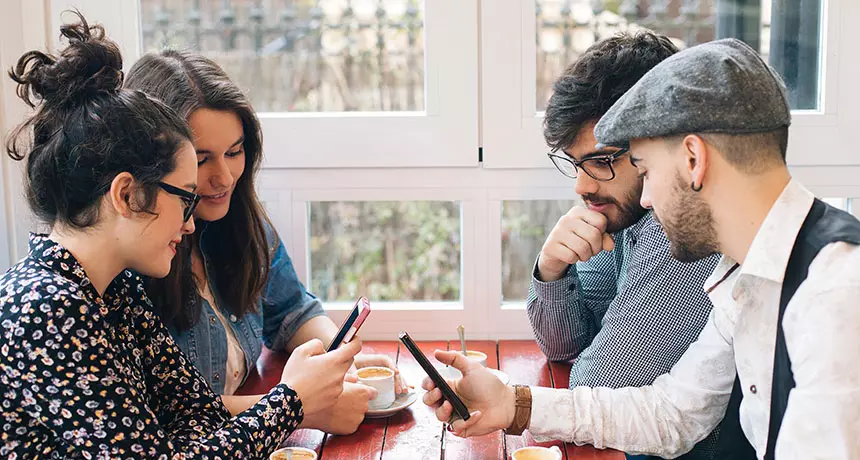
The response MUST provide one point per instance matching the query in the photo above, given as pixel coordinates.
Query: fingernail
(449, 428)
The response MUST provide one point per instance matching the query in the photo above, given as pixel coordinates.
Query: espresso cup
(537, 453)
(381, 378)
(298, 453)
(478, 356)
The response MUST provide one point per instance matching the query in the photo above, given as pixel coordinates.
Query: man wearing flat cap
(708, 130)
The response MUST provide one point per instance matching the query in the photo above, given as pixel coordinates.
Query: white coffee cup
(537, 453)
(381, 378)
(298, 453)
(477, 356)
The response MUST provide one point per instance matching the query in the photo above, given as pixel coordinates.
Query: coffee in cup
(478, 356)
(298, 453)
(375, 372)
(381, 378)
(537, 453)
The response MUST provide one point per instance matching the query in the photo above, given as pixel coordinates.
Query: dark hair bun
(90, 65)
(86, 129)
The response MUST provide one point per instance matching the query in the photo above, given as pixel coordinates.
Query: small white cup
(381, 378)
(537, 453)
(478, 356)
(299, 453)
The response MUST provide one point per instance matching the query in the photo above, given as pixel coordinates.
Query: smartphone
(460, 409)
(351, 324)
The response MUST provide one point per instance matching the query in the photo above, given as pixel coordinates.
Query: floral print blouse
(84, 375)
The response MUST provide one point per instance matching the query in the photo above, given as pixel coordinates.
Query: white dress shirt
(822, 334)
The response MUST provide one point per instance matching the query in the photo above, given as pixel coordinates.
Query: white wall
(23, 27)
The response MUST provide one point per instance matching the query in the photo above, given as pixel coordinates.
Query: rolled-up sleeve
(287, 305)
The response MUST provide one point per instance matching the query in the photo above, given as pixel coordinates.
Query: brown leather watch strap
(523, 413)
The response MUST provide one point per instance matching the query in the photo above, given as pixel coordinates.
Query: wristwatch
(523, 413)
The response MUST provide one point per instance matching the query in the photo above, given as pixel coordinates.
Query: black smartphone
(460, 409)
(351, 324)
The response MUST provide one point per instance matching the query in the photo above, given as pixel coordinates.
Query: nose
(585, 184)
(645, 200)
(188, 226)
(220, 174)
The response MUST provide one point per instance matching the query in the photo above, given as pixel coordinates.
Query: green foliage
(407, 250)
(410, 250)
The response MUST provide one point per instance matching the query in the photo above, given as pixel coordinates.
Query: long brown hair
(187, 82)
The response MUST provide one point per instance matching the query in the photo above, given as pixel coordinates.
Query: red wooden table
(414, 433)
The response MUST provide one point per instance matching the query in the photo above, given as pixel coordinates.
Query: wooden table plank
(523, 361)
(560, 373)
(307, 438)
(367, 442)
(490, 446)
(414, 433)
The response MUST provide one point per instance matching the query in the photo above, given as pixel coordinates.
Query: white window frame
(381, 157)
(287, 193)
(445, 133)
(512, 128)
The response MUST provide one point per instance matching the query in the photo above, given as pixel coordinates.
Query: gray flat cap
(722, 86)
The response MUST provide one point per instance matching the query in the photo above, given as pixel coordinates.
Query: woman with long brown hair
(233, 288)
(87, 370)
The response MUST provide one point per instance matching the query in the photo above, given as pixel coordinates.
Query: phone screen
(460, 409)
(351, 324)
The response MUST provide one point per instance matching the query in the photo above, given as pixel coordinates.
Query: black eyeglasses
(599, 167)
(190, 199)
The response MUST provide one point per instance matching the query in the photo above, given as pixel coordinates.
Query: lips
(598, 206)
(215, 197)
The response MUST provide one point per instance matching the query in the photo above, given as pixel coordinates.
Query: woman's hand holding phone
(346, 414)
(492, 403)
(316, 376)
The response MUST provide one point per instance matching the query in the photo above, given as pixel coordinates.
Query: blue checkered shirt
(624, 317)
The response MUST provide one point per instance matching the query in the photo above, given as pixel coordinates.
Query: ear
(697, 158)
(121, 194)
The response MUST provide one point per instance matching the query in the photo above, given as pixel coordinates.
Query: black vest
(823, 225)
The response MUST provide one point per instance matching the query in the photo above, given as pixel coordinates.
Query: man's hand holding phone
(492, 403)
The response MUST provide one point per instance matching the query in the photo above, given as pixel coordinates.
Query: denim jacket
(286, 305)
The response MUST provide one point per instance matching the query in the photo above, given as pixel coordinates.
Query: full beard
(689, 225)
(629, 211)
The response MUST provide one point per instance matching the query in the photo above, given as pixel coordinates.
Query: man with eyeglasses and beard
(606, 292)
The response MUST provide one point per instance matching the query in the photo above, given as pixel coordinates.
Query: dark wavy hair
(86, 129)
(186, 82)
(588, 87)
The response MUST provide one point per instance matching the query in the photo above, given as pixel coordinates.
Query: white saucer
(402, 401)
(449, 372)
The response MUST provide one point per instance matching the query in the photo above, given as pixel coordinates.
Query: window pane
(786, 32)
(303, 55)
(525, 226)
(385, 250)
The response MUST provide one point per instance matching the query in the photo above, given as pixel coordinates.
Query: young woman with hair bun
(87, 370)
